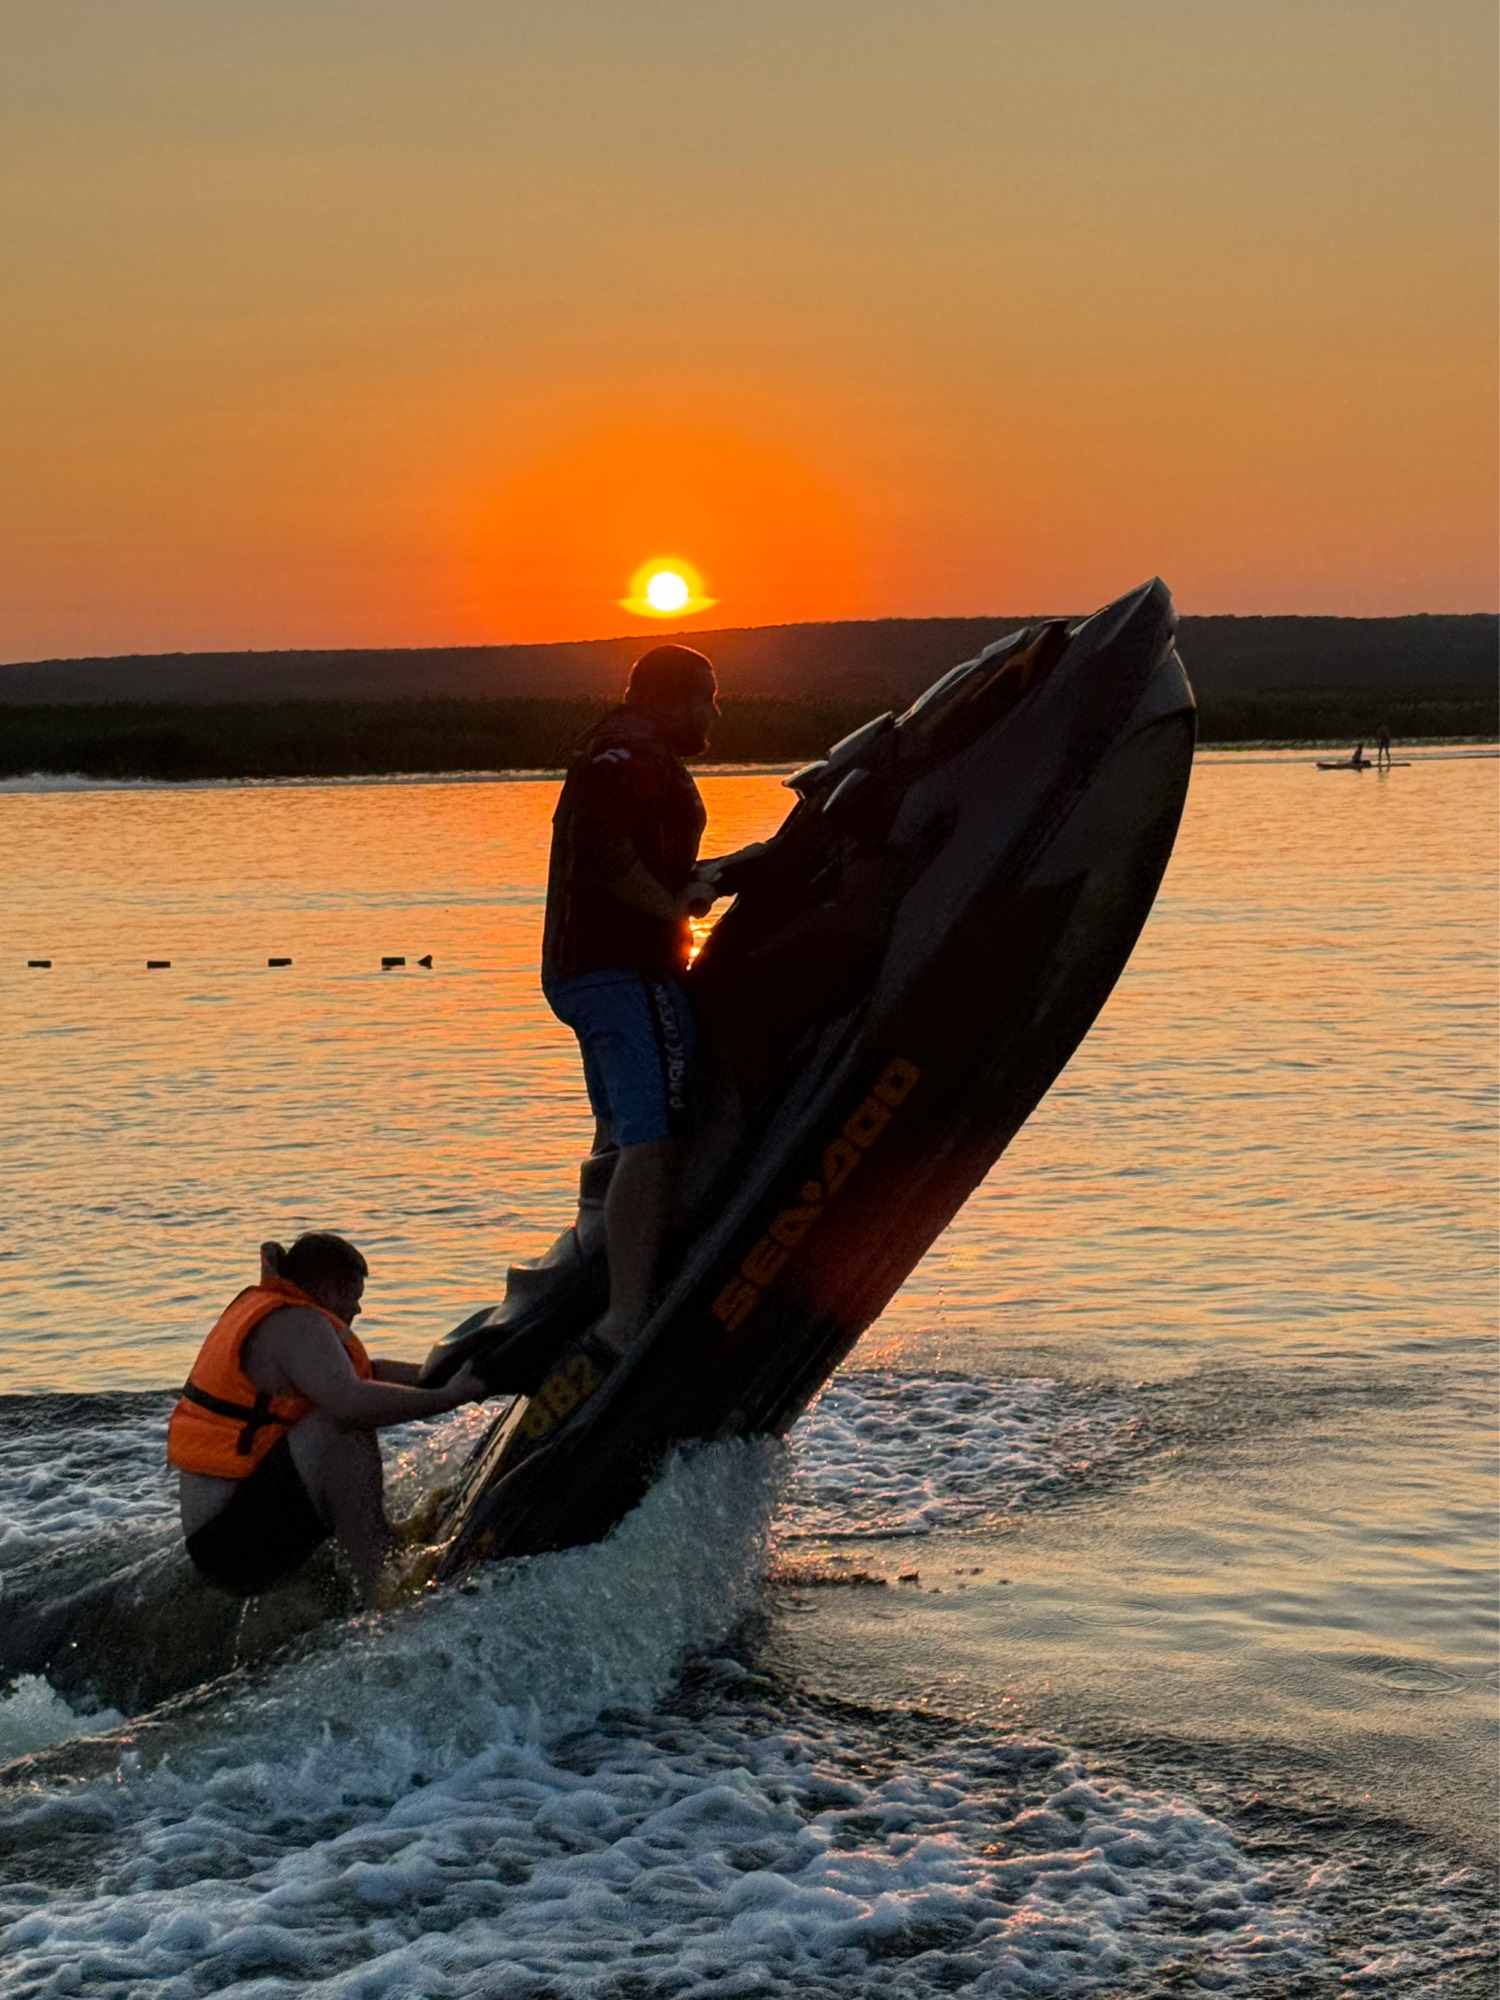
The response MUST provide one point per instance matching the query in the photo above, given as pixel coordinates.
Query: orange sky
(370, 323)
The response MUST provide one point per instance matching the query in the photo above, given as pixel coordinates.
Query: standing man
(622, 882)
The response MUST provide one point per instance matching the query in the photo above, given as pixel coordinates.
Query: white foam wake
(733, 1850)
(485, 1796)
(78, 1468)
(884, 1454)
(34, 1716)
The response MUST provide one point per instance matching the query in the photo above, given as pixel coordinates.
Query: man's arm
(307, 1351)
(639, 889)
(408, 1372)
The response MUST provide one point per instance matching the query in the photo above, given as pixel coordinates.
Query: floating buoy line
(389, 963)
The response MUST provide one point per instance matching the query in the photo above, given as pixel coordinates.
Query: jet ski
(905, 969)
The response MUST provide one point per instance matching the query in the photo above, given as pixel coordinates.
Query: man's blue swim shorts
(638, 1044)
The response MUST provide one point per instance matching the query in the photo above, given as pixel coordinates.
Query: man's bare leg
(635, 1215)
(341, 1469)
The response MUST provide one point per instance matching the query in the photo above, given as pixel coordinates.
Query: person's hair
(321, 1258)
(664, 673)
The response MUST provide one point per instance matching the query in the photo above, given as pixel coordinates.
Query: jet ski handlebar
(730, 872)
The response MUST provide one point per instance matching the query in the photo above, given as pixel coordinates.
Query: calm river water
(1163, 1495)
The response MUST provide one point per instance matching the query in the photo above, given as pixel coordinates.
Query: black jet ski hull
(1027, 856)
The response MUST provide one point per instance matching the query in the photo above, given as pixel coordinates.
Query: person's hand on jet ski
(641, 890)
(725, 876)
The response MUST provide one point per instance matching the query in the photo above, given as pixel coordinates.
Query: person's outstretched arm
(315, 1361)
(409, 1372)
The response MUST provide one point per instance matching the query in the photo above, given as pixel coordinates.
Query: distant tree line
(326, 739)
(883, 660)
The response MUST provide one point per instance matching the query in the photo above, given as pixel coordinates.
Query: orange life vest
(223, 1424)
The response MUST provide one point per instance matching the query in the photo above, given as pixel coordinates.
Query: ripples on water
(515, 1788)
(1179, 1441)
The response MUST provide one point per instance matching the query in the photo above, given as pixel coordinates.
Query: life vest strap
(256, 1415)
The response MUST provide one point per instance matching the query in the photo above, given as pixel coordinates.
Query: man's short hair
(664, 673)
(321, 1258)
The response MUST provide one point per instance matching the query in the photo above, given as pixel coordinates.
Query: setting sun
(666, 592)
(666, 587)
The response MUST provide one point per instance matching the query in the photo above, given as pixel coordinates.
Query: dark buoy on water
(387, 963)
(278, 961)
(426, 962)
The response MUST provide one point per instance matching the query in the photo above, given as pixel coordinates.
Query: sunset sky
(346, 322)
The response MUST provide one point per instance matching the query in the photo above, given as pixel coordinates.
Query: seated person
(273, 1438)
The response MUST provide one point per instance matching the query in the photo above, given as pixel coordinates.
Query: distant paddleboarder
(1383, 749)
(273, 1437)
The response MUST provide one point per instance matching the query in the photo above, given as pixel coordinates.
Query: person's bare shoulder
(284, 1344)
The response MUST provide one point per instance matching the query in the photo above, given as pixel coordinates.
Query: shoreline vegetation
(345, 739)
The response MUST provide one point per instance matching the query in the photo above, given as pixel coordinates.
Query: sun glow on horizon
(666, 587)
(667, 592)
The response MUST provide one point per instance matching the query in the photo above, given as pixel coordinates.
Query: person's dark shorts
(268, 1528)
(639, 1045)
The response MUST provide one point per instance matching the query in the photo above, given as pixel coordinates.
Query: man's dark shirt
(627, 797)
